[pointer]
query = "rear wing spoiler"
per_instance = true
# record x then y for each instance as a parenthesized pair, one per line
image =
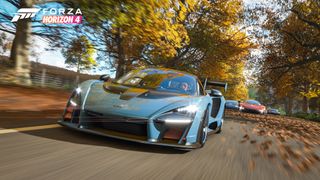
(216, 83)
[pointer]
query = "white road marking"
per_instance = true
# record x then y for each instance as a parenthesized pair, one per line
(30, 128)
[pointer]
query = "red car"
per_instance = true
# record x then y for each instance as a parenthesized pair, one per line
(253, 106)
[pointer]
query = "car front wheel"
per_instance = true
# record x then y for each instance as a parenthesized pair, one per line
(219, 129)
(204, 129)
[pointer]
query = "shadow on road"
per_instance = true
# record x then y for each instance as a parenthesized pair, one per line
(19, 119)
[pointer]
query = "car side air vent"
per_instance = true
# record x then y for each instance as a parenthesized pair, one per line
(216, 102)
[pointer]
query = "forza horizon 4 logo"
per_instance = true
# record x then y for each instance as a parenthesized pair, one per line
(25, 13)
(51, 15)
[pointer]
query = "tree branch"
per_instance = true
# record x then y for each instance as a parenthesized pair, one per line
(302, 18)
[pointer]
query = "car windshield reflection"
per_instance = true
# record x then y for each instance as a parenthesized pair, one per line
(160, 80)
(253, 102)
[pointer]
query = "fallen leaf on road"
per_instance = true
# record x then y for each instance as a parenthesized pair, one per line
(253, 141)
(251, 165)
(297, 141)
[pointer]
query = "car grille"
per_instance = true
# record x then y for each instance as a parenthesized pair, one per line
(120, 124)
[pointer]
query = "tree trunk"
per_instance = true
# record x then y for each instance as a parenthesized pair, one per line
(289, 105)
(319, 105)
(305, 106)
(19, 55)
(120, 70)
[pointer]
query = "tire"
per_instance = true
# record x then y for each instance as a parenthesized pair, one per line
(219, 130)
(204, 129)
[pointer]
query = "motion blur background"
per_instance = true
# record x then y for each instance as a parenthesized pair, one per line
(265, 50)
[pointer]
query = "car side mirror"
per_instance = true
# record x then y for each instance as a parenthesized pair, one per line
(104, 77)
(214, 92)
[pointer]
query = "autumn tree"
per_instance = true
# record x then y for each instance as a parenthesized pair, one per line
(290, 63)
(201, 37)
(218, 45)
(5, 43)
(80, 54)
(126, 30)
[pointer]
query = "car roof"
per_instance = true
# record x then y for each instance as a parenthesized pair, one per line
(232, 101)
(252, 101)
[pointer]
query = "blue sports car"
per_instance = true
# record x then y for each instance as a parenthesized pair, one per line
(154, 106)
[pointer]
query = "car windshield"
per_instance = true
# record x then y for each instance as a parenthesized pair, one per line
(160, 80)
(253, 102)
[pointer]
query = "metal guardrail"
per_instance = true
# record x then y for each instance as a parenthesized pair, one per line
(48, 80)
(44, 78)
(44, 75)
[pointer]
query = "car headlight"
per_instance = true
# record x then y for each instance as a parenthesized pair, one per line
(75, 98)
(73, 105)
(191, 109)
(182, 115)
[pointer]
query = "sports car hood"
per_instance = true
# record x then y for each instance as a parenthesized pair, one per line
(252, 106)
(113, 99)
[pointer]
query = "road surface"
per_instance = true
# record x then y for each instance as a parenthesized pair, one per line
(33, 146)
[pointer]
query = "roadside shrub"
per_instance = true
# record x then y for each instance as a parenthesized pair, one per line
(308, 116)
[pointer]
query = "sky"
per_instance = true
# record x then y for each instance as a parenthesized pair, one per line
(55, 57)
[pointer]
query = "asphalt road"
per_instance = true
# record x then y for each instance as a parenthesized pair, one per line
(32, 146)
